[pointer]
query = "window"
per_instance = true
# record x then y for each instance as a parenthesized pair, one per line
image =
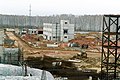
(40, 32)
(65, 36)
(53, 36)
(65, 22)
(65, 31)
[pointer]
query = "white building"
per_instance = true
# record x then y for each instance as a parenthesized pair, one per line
(35, 31)
(59, 32)
(32, 31)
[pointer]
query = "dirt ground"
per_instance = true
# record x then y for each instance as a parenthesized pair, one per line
(31, 51)
(93, 52)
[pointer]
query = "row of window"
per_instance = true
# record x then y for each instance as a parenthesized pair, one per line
(33, 31)
(64, 37)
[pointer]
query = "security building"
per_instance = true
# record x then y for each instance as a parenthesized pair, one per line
(59, 32)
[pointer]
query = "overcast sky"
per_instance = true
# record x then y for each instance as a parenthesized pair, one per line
(50, 7)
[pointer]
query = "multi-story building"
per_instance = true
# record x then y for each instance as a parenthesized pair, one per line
(59, 32)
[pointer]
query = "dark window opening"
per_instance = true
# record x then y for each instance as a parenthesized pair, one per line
(65, 31)
(32, 31)
(65, 22)
(40, 32)
(65, 36)
(53, 36)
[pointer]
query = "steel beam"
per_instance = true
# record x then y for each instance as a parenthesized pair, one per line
(110, 61)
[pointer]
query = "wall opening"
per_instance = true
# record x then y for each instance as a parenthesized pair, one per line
(65, 31)
(65, 22)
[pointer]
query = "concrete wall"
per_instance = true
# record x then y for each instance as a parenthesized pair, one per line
(50, 31)
(1, 43)
(11, 50)
(1, 36)
(11, 56)
(1, 53)
(56, 32)
(71, 31)
(47, 30)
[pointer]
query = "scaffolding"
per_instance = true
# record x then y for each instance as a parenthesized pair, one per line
(110, 61)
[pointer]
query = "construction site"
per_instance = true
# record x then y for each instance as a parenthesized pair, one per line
(65, 53)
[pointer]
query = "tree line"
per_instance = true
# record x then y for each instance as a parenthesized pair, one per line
(81, 22)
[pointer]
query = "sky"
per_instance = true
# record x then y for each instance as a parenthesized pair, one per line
(57, 7)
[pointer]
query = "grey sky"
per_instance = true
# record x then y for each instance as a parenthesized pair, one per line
(50, 7)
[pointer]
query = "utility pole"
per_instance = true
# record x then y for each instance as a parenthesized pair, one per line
(30, 16)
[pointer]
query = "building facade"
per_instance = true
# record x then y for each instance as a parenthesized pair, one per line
(11, 56)
(2, 35)
(59, 32)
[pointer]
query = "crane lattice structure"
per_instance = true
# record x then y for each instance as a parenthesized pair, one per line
(110, 61)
